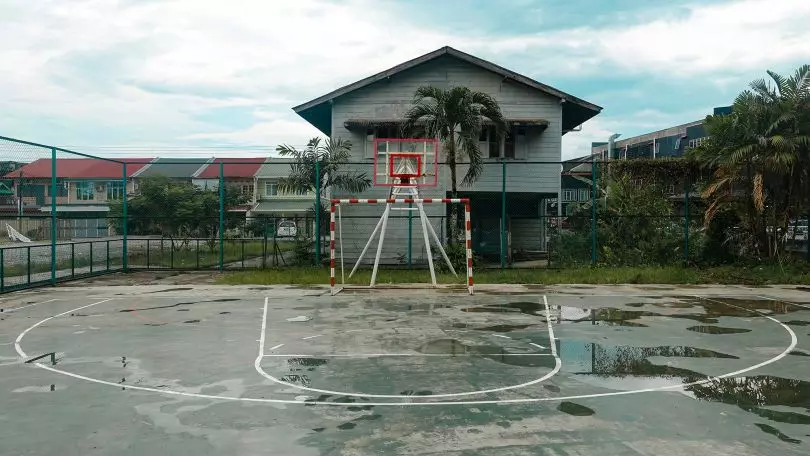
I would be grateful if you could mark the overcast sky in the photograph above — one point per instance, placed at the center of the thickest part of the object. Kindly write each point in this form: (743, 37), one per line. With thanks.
(204, 76)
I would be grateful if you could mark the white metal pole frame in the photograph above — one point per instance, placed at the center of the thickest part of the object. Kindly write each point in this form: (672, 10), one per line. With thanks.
(381, 225)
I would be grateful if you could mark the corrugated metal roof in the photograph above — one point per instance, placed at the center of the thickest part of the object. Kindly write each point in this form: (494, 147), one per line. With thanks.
(275, 167)
(244, 167)
(173, 167)
(79, 168)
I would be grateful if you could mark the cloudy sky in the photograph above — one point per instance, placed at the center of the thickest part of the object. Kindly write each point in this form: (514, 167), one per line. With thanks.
(215, 76)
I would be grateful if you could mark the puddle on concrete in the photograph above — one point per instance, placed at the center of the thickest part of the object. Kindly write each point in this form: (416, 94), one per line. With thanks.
(347, 426)
(716, 330)
(224, 313)
(308, 363)
(526, 307)
(635, 304)
(552, 388)
(223, 300)
(38, 389)
(797, 323)
(183, 310)
(798, 353)
(494, 328)
(171, 289)
(575, 409)
(745, 307)
(318, 429)
(298, 379)
(154, 324)
(496, 353)
(777, 433)
(191, 321)
(416, 393)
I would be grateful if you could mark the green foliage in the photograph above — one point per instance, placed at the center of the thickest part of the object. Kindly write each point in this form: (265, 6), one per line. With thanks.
(760, 159)
(329, 158)
(660, 170)
(636, 228)
(303, 250)
(177, 210)
(457, 253)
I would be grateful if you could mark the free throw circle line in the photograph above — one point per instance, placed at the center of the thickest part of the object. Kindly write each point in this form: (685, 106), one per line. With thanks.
(553, 372)
(776, 358)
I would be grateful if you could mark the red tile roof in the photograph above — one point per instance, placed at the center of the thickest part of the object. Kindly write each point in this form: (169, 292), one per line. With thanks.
(244, 167)
(79, 168)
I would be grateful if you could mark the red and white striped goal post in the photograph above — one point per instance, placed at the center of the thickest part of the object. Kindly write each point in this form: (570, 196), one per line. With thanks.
(467, 228)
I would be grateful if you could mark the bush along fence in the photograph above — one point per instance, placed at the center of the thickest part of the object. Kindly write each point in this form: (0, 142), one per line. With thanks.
(67, 215)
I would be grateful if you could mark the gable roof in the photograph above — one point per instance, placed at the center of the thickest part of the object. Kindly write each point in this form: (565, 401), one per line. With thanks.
(79, 168)
(179, 168)
(575, 110)
(275, 167)
(232, 167)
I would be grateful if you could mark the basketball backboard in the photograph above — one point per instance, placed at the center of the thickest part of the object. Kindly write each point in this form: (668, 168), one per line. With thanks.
(406, 162)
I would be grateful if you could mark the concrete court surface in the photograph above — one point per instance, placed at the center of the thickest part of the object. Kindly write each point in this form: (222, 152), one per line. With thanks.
(514, 370)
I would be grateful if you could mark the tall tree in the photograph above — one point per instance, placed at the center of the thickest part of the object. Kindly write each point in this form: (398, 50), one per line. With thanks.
(760, 155)
(455, 116)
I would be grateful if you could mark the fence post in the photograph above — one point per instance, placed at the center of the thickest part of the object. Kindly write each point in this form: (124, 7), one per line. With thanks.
(2, 270)
(593, 210)
(72, 260)
(91, 257)
(147, 253)
(53, 216)
(686, 188)
(264, 243)
(28, 266)
(125, 216)
(243, 254)
(221, 216)
(197, 253)
(503, 214)
(108, 255)
(317, 211)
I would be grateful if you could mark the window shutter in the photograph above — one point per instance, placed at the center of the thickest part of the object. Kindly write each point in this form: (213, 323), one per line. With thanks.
(369, 143)
(521, 144)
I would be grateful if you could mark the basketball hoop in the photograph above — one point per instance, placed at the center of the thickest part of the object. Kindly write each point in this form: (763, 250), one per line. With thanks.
(405, 165)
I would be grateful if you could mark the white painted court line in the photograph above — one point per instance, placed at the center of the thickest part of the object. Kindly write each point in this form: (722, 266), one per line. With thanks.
(538, 346)
(273, 348)
(311, 337)
(776, 358)
(17, 309)
(557, 367)
(503, 337)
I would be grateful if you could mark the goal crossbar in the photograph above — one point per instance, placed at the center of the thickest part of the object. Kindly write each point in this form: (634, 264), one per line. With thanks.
(335, 207)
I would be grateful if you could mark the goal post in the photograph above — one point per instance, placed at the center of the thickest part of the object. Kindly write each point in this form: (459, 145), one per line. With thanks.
(336, 236)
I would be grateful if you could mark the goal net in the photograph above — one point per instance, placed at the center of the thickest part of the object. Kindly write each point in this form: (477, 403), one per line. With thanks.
(345, 251)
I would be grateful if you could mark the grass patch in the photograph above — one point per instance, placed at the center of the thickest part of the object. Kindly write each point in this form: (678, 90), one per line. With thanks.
(201, 257)
(730, 275)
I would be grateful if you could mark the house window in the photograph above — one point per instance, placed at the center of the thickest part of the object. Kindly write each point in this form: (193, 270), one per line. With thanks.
(270, 189)
(61, 188)
(490, 136)
(569, 194)
(85, 190)
(584, 194)
(246, 190)
(696, 142)
(115, 191)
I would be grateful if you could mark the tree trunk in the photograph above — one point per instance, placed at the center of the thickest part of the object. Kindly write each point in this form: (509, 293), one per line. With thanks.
(451, 162)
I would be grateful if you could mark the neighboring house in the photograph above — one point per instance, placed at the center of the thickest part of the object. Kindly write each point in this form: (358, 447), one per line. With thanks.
(576, 183)
(85, 187)
(236, 173)
(669, 142)
(538, 117)
(273, 204)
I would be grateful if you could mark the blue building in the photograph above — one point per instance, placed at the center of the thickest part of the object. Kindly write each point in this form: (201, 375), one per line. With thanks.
(669, 142)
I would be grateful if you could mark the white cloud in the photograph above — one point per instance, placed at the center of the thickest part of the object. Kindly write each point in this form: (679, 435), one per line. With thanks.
(147, 70)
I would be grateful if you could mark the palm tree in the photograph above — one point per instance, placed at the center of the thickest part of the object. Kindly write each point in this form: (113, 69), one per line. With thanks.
(760, 156)
(455, 116)
(329, 158)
